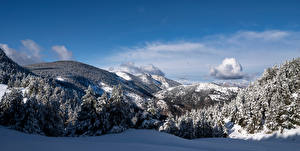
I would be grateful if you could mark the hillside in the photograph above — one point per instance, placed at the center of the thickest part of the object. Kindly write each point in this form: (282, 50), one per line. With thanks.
(178, 100)
(155, 82)
(9, 70)
(82, 75)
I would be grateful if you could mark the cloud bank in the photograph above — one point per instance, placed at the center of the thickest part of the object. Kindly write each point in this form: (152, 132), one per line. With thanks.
(31, 52)
(256, 50)
(62, 52)
(33, 47)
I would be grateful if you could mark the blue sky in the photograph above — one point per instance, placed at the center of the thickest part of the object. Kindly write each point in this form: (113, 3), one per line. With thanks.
(186, 39)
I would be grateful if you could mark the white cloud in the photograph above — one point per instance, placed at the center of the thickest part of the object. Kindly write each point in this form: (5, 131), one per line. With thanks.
(255, 50)
(29, 55)
(151, 69)
(174, 47)
(229, 69)
(161, 50)
(130, 67)
(62, 52)
(265, 35)
(32, 46)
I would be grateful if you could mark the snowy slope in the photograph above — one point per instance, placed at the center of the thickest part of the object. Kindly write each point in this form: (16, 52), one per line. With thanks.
(196, 96)
(3, 89)
(223, 91)
(216, 92)
(150, 80)
(79, 76)
(141, 140)
(123, 75)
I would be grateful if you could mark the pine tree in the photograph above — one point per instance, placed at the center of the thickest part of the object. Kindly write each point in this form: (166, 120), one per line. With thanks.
(87, 118)
(11, 109)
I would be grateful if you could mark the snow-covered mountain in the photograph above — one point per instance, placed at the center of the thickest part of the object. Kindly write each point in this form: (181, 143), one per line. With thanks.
(138, 88)
(80, 75)
(157, 82)
(178, 100)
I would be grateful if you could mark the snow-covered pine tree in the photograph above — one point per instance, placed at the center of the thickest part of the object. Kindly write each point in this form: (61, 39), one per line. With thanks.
(119, 110)
(88, 122)
(12, 109)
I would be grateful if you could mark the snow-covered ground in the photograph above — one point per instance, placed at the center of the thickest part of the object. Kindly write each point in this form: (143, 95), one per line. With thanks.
(138, 100)
(140, 140)
(105, 87)
(239, 133)
(59, 78)
(3, 89)
(235, 131)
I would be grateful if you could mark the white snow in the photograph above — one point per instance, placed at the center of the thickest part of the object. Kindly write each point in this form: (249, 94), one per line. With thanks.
(237, 132)
(162, 104)
(141, 140)
(123, 75)
(154, 79)
(145, 78)
(59, 78)
(165, 84)
(206, 86)
(24, 90)
(3, 89)
(295, 95)
(210, 86)
(138, 100)
(224, 90)
(105, 87)
(25, 100)
(215, 97)
(242, 83)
